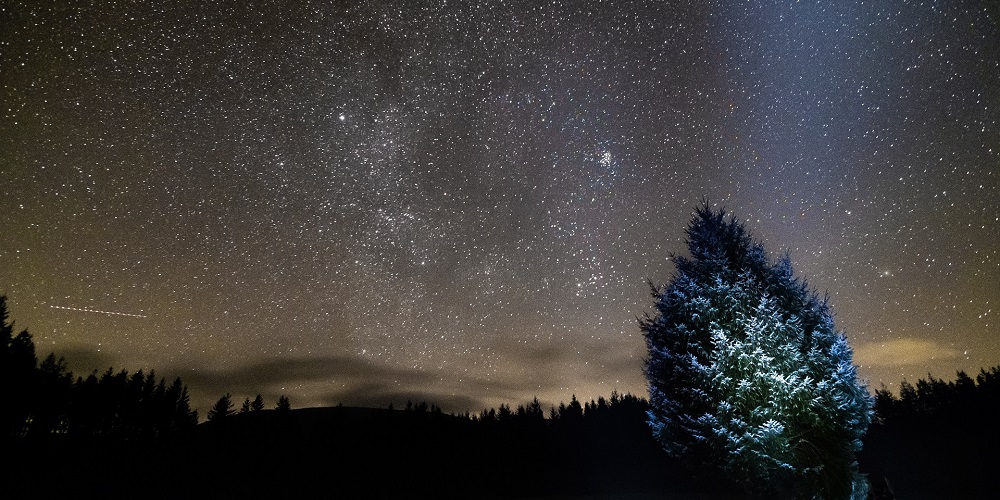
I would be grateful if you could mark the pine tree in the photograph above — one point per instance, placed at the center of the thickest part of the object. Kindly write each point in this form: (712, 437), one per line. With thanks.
(258, 404)
(747, 375)
(18, 376)
(178, 416)
(222, 408)
(51, 398)
(283, 403)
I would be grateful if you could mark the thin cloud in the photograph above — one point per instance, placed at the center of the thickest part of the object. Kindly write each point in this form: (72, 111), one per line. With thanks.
(353, 381)
(356, 381)
(901, 352)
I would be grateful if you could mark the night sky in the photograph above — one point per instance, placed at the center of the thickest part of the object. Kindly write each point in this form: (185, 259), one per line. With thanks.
(369, 202)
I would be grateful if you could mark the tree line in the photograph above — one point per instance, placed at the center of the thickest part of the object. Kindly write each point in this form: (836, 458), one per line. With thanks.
(565, 414)
(224, 406)
(933, 397)
(43, 398)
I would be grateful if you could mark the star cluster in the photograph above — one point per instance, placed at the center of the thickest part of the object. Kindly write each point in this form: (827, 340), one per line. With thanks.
(366, 202)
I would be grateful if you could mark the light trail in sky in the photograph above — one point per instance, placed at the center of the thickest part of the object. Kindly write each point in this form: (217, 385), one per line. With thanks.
(109, 313)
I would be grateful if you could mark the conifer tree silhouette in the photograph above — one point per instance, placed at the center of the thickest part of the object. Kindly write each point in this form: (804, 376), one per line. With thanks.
(50, 407)
(222, 409)
(283, 403)
(257, 404)
(17, 375)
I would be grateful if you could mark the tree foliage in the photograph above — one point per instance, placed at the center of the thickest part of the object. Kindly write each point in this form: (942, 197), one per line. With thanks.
(747, 374)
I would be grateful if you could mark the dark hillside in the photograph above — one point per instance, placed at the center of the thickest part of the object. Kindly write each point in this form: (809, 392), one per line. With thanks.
(386, 453)
(346, 452)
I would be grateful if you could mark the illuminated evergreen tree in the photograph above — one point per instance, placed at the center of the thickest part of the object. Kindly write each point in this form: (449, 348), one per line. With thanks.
(747, 375)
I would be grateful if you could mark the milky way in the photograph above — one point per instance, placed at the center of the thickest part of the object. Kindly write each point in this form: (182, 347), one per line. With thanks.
(463, 201)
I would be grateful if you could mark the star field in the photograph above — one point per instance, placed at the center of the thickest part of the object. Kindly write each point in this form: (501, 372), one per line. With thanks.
(462, 201)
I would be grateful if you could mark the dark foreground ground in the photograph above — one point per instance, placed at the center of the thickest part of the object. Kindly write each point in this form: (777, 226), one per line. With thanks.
(374, 453)
(359, 453)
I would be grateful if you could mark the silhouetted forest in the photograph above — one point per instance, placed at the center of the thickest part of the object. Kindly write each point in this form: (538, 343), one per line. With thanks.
(43, 399)
(936, 439)
(121, 435)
